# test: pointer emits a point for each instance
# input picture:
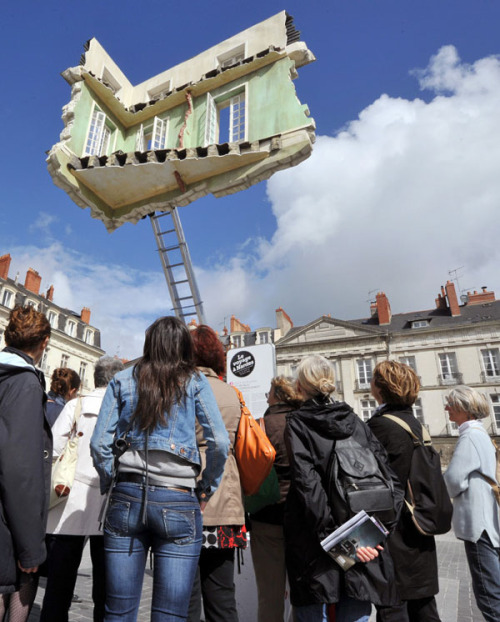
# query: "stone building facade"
(74, 342)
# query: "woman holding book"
(316, 580)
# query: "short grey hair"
(469, 401)
(105, 369)
(315, 376)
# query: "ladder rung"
(175, 265)
(186, 298)
(168, 248)
(165, 232)
(179, 282)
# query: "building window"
(418, 411)
(491, 362)
(420, 323)
(160, 91)
(64, 360)
(71, 328)
(449, 368)
(153, 135)
(110, 80)
(89, 337)
(410, 361)
(232, 57)
(237, 341)
(367, 409)
(264, 337)
(225, 119)
(7, 298)
(53, 319)
(99, 134)
(43, 364)
(82, 372)
(364, 372)
(495, 403)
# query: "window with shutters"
(99, 135)
(152, 135)
(226, 118)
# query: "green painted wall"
(272, 107)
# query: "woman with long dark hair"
(156, 500)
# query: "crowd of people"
(157, 470)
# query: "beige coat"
(226, 505)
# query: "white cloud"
(123, 301)
(405, 193)
(42, 224)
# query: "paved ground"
(455, 600)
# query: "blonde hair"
(469, 401)
(398, 383)
(284, 391)
(315, 376)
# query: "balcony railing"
(450, 378)
(362, 386)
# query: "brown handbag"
(253, 451)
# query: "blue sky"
(402, 186)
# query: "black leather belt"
(136, 478)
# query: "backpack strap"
(425, 434)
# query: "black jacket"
(314, 576)
(414, 554)
(25, 465)
(275, 421)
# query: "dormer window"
(8, 298)
(89, 337)
(71, 328)
(158, 92)
(110, 81)
(232, 57)
(52, 319)
(420, 323)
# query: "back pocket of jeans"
(180, 525)
(117, 517)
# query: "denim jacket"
(177, 436)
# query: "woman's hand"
(367, 553)
(27, 570)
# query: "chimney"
(383, 309)
(441, 302)
(237, 326)
(480, 298)
(85, 315)
(283, 321)
(33, 280)
(452, 299)
(50, 293)
(4, 266)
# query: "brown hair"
(398, 383)
(163, 371)
(284, 391)
(208, 350)
(63, 380)
(27, 328)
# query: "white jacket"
(78, 516)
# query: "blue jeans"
(484, 566)
(173, 532)
(346, 610)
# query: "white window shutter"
(210, 121)
(95, 136)
(159, 134)
(139, 139)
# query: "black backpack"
(359, 480)
(426, 496)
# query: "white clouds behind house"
(405, 193)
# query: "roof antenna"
(454, 276)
